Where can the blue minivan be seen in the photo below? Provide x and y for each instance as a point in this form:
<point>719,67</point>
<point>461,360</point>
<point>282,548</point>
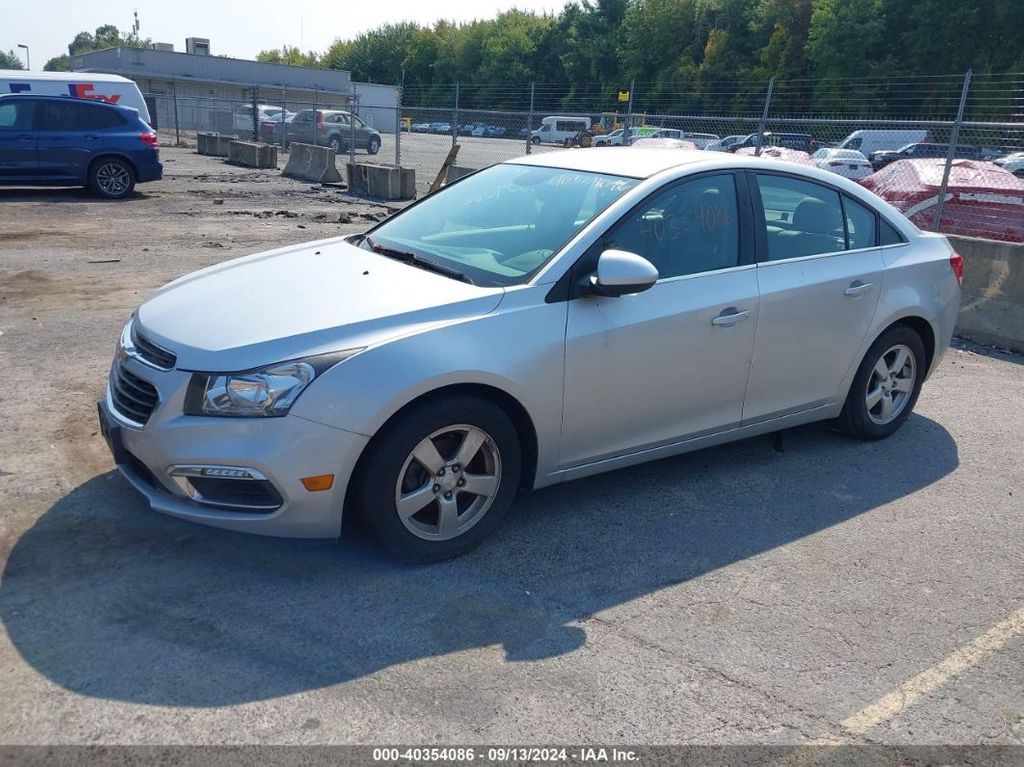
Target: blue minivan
<point>60,141</point>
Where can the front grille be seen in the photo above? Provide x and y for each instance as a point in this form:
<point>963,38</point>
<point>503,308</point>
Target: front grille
<point>132,397</point>
<point>150,352</point>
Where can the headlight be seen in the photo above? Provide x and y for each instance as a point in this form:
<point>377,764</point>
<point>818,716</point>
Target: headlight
<point>264,392</point>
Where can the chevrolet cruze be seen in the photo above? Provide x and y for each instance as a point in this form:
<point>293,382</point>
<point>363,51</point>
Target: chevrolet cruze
<point>539,321</point>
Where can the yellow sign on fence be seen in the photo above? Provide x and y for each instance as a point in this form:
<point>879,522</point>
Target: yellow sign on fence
<point>623,95</point>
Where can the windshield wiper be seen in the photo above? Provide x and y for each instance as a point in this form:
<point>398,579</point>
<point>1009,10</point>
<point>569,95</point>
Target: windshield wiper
<point>414,259</point>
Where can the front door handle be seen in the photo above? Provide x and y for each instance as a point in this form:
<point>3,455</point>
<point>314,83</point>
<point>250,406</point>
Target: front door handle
<point>858,288</point>
<point>730,317</point>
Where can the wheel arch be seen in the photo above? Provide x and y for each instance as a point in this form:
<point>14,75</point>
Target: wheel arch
<point>107,155</point>
<point>924,330</point>
<point>511,406</point>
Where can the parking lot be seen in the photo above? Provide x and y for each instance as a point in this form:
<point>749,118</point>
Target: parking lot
<point>833,591</point>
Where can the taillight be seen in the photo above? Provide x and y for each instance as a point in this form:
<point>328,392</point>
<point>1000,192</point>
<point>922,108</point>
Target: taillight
<point>319,118</point>
<point>956,261</point>
<point>149,138</point>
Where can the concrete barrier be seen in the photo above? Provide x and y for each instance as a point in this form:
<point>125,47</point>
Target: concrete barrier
<point>992,306</point>
<point>213,144</point>
<point>383,182</point>
<point>455,172</point>
<point>252,155</point>
<point>312,163</point>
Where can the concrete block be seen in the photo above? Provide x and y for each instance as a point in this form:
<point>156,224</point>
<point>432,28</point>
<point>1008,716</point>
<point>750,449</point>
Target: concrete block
<point>383,182</point>
<point>213,144</point>
<point>252,155</point>
<point>455,172</point>
<point>312,163</point>
<point>992,304</point>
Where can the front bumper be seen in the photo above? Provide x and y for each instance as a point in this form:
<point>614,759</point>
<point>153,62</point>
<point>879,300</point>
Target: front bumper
<point>283,450</point>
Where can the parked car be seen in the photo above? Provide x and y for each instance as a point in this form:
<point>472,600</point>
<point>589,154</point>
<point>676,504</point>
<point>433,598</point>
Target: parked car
<point>1013,162</point>
<point>523,327</point>
<point>846,162</point>
<point>60,141</point>
<point>672,133</point>
<point>440,128</point>
<point>616,137</point>
<point>723,144</point>
<point>241,117</point>
<point>701,140</point>
<point>334,128</point>
<point>802,142</point>
<point>420,128</point>
<point>88,86</point>
<point>271,129</point>
<point>888,139</point>
<point>920,151</point>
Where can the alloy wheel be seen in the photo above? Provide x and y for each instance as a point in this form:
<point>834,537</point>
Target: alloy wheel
<point>891,384</point>
<point>448,482</point>
<point>113,179</point>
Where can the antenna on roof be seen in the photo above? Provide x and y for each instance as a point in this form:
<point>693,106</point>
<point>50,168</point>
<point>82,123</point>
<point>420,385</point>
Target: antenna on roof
<point>135,25</point>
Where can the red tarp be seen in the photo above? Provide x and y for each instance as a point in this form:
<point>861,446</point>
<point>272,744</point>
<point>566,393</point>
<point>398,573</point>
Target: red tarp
<point>982,199</point>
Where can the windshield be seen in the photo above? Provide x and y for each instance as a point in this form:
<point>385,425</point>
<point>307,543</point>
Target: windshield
<point>499,226</point>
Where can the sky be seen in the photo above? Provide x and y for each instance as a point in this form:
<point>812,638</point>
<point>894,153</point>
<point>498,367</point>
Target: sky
<point>235,28</point>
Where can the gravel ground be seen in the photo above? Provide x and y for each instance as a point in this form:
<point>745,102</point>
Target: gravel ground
<point>734,595</point>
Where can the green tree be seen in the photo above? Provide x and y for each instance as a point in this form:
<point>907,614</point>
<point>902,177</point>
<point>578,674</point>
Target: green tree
<point>289,55</point>
<point>60,63</point>
<point>10,60</point>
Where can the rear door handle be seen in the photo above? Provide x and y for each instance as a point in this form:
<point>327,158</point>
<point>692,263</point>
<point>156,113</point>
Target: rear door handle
<point>858,288</point>
<point>730,317</point>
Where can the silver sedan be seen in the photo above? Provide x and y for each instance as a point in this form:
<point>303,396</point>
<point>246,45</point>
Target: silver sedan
<point>536,322</point>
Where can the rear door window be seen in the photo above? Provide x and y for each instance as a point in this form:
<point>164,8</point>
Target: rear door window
<point>801,218</point>
<point>64,116</point>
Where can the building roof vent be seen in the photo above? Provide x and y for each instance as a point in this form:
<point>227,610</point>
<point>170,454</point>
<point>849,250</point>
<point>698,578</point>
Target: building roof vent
<point>197,46</point>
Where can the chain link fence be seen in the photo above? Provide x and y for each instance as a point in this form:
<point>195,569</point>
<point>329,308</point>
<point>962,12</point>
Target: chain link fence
<point>948,151</point>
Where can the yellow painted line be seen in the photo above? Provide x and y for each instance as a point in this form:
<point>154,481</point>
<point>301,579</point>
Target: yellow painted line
<point>912,690</point>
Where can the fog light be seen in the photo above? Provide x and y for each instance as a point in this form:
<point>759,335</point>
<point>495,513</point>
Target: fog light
<point>319,482</point>
<point>229,487</point>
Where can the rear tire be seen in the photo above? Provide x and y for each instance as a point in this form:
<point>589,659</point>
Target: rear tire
<point>886,386</point>
<point>335,144</point>
<point>374,146</point>
<point>112,178</point>
<point>440,479</point>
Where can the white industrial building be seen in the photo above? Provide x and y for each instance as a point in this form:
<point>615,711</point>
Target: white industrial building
<point>197,91</point>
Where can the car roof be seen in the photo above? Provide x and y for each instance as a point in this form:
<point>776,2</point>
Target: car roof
<point>635,162</point>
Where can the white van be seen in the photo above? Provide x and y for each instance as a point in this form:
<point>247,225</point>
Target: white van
<point>868,141</point>
<point>92,86</point>
<point>555,130</point>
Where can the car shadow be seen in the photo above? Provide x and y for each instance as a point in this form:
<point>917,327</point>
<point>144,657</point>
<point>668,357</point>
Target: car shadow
<point>108,599</point>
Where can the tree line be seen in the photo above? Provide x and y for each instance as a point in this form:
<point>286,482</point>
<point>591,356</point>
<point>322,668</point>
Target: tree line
<point>690,54</point>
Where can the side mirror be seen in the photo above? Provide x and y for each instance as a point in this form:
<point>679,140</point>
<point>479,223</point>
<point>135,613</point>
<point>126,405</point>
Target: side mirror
<point>620,273</point>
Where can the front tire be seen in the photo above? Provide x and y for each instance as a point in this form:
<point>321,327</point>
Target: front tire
<point>374,146</point>
<point>112,178</point>
<point>440,479</point>
<point>886,386</point>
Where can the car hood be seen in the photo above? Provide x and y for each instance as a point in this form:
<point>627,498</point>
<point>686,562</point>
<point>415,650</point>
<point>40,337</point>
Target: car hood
<point>298,301</point>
